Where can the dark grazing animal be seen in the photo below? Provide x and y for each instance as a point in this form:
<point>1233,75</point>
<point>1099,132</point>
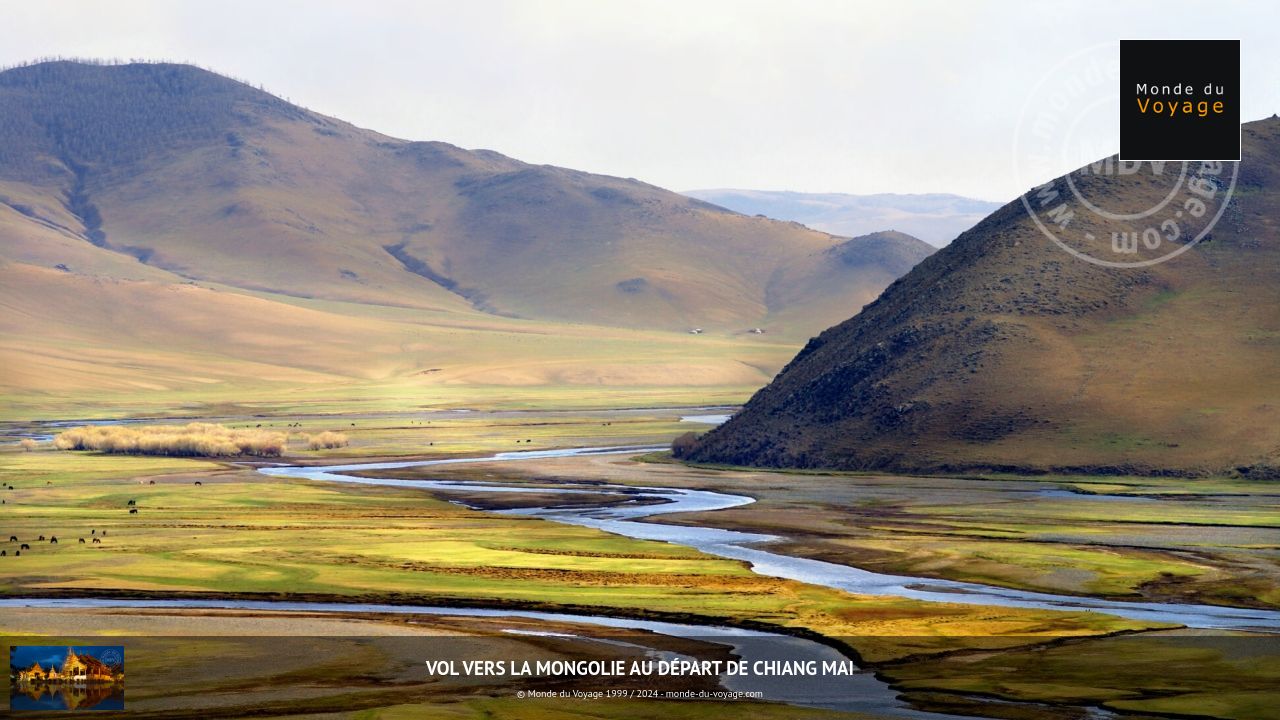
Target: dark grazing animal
<point>133,511</point>
<point>24,546</point>
<point>53,540</point>
<point>13,538</point>
<point>82,541</point>
<point>96,541</point>
<point>133,502</point>
<point>41,538</point>
<point>153,482</point>
<point>199,483</point>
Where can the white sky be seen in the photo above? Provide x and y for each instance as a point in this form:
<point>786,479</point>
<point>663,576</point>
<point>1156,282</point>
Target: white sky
<point>860,97</point>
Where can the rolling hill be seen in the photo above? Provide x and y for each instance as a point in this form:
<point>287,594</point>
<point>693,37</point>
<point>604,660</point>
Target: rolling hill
<point>1003,352</point>
<point>163,227</point>
<point>209,179</point>
<point>936,218</point>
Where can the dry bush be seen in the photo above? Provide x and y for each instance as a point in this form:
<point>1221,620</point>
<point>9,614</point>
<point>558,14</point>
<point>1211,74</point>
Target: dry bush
<point>681,446</point>
<point>27,444</point>
<point>327,441</point>
<point>191,440</point>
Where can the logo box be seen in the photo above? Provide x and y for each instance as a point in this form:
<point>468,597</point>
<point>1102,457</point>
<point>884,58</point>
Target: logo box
<point>1180,100</point>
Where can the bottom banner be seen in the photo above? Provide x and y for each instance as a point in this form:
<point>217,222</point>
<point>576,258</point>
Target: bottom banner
<point>521,672</point>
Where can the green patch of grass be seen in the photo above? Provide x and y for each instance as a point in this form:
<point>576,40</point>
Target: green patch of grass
<point>1029,565</point>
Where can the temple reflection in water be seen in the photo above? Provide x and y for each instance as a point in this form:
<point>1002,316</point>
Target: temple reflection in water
<point>66,696</point>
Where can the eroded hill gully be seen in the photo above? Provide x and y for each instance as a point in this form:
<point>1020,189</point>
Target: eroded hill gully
<point>421,268</point>
<point>78,202</point>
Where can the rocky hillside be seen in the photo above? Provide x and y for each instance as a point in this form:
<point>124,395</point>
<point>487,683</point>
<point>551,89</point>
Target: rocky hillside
<point>1003,351</point>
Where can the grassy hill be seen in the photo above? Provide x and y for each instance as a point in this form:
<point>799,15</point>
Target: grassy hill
<point>166,229</point>
<point>210,179</point>
<point>1002,351</point>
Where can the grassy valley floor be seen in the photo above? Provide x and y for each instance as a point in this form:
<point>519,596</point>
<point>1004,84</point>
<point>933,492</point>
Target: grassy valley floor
<point>1213,541</point>
<point>242,534</point>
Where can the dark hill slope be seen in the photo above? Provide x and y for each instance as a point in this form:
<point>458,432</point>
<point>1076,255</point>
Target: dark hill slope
<point>1004,351</point>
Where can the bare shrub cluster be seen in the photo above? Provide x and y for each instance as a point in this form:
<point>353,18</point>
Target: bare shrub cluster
<point>326,441</point>
<point>683,445</point>
<point>191,440</point>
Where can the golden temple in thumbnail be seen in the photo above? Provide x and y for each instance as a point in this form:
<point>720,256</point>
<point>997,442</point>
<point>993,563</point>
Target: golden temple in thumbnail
<point>75,668</point>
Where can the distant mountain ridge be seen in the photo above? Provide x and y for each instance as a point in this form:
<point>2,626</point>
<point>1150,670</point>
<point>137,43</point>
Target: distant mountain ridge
<point>936,218</point>
<point>1004,352</point>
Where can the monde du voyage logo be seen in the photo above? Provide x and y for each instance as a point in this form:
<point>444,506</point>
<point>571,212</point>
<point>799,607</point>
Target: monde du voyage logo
<point>1179,100</point>
<point>1178,108</point>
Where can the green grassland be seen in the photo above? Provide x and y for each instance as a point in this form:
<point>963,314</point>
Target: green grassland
<point>240,533</point>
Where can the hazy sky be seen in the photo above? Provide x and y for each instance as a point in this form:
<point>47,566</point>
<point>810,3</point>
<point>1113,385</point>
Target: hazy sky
<point>847,96</point>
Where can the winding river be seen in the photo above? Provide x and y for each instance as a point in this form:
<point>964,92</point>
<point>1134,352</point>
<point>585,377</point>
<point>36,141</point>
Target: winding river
<point>625,519</point>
